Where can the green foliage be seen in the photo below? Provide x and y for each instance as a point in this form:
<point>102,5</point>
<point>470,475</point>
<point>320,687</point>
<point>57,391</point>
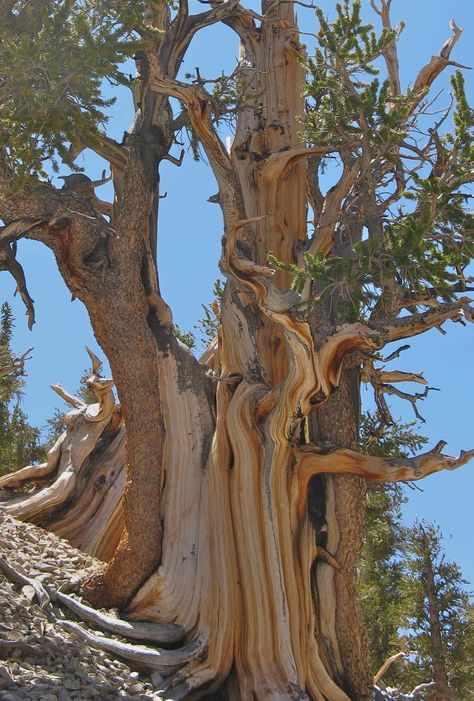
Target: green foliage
<point>20,443</point>
<point>209,323</point>
<point>381,562</point>
<point>393,578</point>
<point>54,58</point>
<point>344,106</point>
<point>389,440</point>
<point>408,221</point>
<point>185,337</point>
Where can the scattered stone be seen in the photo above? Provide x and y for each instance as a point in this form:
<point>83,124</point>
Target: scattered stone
<point>6,680</point>
<point>43,662</point>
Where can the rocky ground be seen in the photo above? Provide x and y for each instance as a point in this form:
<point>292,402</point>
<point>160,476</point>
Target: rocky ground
<point>38,658</point>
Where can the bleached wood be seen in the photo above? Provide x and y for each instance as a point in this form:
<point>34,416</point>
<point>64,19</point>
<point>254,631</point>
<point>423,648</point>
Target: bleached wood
<point>145,631</point>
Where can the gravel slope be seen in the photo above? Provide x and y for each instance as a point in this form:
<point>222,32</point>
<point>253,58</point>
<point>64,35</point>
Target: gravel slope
<point>38,659</point>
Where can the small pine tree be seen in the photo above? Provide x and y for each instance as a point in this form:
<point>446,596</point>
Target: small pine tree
<point>439,617</point>
<point>20,443</point>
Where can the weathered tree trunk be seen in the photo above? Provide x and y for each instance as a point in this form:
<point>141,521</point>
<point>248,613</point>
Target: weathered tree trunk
<point>337,505</point>
<point>78,490</point>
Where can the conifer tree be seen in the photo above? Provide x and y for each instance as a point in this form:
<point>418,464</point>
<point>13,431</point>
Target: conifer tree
<point>438,616</point>
<point>20,443</point>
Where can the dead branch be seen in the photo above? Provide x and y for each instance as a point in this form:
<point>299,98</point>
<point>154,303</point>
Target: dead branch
<point>68,397</point>
<point>16,364</point>
<point>310,460</point>
<point>436,65</point>
<point>386,665</point>
<point>102,389</point>
<point>377,333</point>
<point>381,381</point>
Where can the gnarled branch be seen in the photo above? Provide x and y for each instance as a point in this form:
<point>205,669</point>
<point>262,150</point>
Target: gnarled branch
<point>16,364</point>
<point>436,65</point>
<point>311,460</point>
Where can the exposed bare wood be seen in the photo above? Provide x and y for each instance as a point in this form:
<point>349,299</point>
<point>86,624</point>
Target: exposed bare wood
<point>68,397</point>
<point>15,575</point>
<point>312,461</point>
<point>146,631</point>
<point>66,463</point>
<point>386,666</point>
<point>323,237</point>
<point>16,364</point>
<point>9,262</point>
<point>390,53</point>
<point>437,64</point>
<point>152,659</point>
<point>215,492</point>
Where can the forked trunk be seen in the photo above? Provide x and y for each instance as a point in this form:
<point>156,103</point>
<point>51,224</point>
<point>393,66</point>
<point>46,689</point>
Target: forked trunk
<point>256,547</point>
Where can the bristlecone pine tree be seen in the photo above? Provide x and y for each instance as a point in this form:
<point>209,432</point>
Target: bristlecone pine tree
<point>242,515</point>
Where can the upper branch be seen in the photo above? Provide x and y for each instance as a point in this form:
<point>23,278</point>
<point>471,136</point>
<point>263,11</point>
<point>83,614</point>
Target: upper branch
<point>199,105</point>
<point>185,26</point>
<point>390,53</point>
<point>323,238</point>
<point>15,364</point>
<point>436,65</point>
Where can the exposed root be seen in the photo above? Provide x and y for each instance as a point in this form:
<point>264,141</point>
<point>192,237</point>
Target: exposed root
<point>139,630</point>
<point>165,661</point>
<point>18,577</point>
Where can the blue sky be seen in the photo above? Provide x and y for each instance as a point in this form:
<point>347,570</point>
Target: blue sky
<point>189,245</point>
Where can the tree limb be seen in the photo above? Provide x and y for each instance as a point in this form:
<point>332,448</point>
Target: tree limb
<point>386,665</point>
<point>9,262</point>
<point>310,460</point>
<point>323,237</point>
<point>436,65</point>
<point>390,53</point>
<point>15,364</point>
